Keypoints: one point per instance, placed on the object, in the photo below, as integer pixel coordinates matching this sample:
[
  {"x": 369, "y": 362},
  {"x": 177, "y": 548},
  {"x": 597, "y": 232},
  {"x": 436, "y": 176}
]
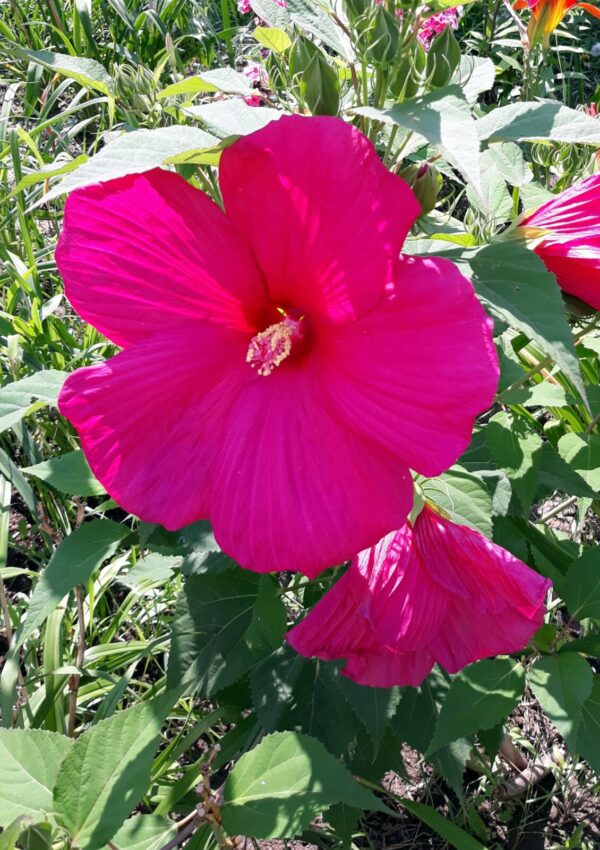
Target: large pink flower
[
  {"x": 283, "y": 366},
  {"x": 570, "y": 245},
  {"x": 433, "y": 592}
]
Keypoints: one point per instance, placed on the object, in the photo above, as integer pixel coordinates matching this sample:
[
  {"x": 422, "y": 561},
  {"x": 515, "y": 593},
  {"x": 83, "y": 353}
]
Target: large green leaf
[
  {"x": 138, "y": 151},
  {"x": 272, "y": 13},
  {"x": 107, "y": 771},
  {"x": 510, "y": 279},
  {"x": 582, "y": 453},
  {"x": 588, "y": 739},
  {"x": 556, "y": 474},
  {"x": 29, "y": 763},
  {"x": 464, "y": 497},
  {"x": 220, "y": 79},
  {"x": 580, "y": 589},
  {"x": 233, "y": 117},
  {"x": 143, "y": 832},
  {"x": 87, "y": 72},
  {"x": 374, "y": 707},
  {"x": 314, "y": 18},
  {"x": 29, "y": 394},
  {"x": 561, "y": 684},
  {"x": 519, "y": 122},
  {"x": 70, "y": 473},
  {"x": 443, "y": 117},
  {"x": 276, "y": 789},
  {"x": 210, "y": 648},
  {"x": 518, "y": 451},
  {"x": 480, "y": 696},
  {"x": 73, "y": 563}
]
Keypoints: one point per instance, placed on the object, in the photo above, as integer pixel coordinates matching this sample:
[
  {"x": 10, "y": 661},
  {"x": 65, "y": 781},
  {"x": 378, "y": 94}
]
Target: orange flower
[{"x": 547, "y": 15}]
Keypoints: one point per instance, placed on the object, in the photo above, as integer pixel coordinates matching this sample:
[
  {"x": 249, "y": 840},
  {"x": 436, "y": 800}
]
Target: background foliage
[{"x": 148, "y": 699}]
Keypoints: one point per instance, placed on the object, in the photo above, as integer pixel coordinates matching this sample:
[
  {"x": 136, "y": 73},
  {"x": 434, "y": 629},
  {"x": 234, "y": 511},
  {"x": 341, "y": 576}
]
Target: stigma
[{"x": 269, "y": 348}]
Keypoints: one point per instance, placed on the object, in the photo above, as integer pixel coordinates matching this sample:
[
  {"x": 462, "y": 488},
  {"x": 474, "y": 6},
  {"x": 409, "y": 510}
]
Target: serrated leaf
[
  {"x": 152, "y": 570},
  {"x": 479, "y": 697},
  {"x": 77, "y": 557},
  {"x": 273, "y": 38},
  {"x": 69, "y": 473},
  {"x": 30, "y": 760},
  {"x": 518, "y": 451},
  {"x": 269, "y": 619},
  {"x": 509, "y": 279},
  {"x": 464, "y": 497},
  {"x": 556, "y": 474},
  {"x": 20, "y": 398},
  {"x": 272, "y": 683},
  {"x": 315, "y": 19},
  {"x": 520, "y": 122},
  {"x": 443, "y": 117},
  {"x": 136, "y": 152},
  {"x": 588, "y": 738},
  {"x": 272, "y": 13},
  {"x": 582, "y": 453},
  {"x": 589, "y": 645},
  {"x": 144, "y": 832},
  {"x": 562, "y": 683},
  {"x": 510, "y": 162},
  {"x": 580, "y": 589},
  {"x": 276, "y": 789},
  {"x": 374, "y": 707},
  {"x": 209, "y": 650},
  {"x": 107, "y": 771},
  {"x": 474, "y": 75}
]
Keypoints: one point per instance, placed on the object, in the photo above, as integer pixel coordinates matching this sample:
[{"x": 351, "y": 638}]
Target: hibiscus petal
[
  {"x": 414, "y": 373},
  {"x": 150, "y": 419},
  {"x": 576, "y": 265},
  {"x": 295, "y": 490},
  {"x": 574, "y": 212},
  {"x": 326, "y": 220},
  {"x": 148, "y": 250}
]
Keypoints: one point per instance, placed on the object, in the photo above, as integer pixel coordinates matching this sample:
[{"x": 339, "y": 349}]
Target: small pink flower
[
  {"x": 284, "y": 366},
  {"x": 254, "y": 100},
  {"x": 435, "y": 24},
  {"x": 244, "y": 7},
  {"x": 255, "y": 73},
  {"x": 436, "y": 592},
  {"x": 568, "y": 227}
]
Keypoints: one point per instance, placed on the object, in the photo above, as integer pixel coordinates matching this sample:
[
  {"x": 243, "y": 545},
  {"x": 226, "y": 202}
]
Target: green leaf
[
  {"x": 144, "y": 832},
  {"x": 273, "y": 38},
  {"x": 374, "y": 707},
  {"x": 556, "y": 474},
  {"x": 510, "y": 162},
  {"x": 272, "y": 13},
  {"x": 580, "y": 589},
  {"x": 29, "y": 394},
  {"x": 269, "y": 619},
  {"x": 77, "y": 557},
  {"x": 29, "y": 763},
  {"x": 70, "y": 473},
  {"x": 135, "y": 152},
  {"x": 520, "y": 122},
  {"x": 10, "y": 835},
  {"x": 474, "y": 75},
  {"x": 11, "y": 472},
  {"x": 543, "y": 394},
  {"x": 152, "y": 570},
  {"x": 87, "y": 72},
  {"x": 272, "y": 683},
  {"x": 582, "y": 453},
  {"x": 314, "y": 18},
  {"x": 220, "y": 79},
  {"x": 517, "y": 450},
  {"x": 456, "y": 836},
  {"x": 496, "y": 201},
  {"x": 443, "y": 117},
  {"x": 107, "y": 772},
  {"x": 232, "y": 117},
  {"x": 589, "y": 645},
  {"x": 561, "y": 684},
  {"x": 276, "y": 789},
  {"x": 588, "y": 739},
  {"x": 509, "y": 279},
  {"x": 209, "y": 648},
  {"x": 480, "y": 696},
  {"x": 464, "y": 497}
]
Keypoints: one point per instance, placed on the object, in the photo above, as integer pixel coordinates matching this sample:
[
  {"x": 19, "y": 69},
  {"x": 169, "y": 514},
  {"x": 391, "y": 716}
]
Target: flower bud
[
  {"x": 355, "y": 8},
  {"x": 301, "y": 53},
  {"x": 443, "y": 59},
  {"x": 384, "y": 38},
  {"x": 405, "y": 80},
  {"x": 425, "y": 181},
  {"x": 320, "y": 86}
]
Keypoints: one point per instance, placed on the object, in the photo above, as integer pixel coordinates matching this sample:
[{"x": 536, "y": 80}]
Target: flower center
[{"x": 271, "y": 347}]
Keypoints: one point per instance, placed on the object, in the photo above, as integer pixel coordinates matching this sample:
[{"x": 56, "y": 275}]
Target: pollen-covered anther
[{"x": 269, "y": 348}]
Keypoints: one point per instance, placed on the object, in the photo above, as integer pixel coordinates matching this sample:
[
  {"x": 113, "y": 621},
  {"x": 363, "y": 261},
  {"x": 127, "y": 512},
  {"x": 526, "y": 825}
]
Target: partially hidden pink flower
[
  {"x": 566, "y": 230},
  {"x": 437, "y": 23},
  {"x": 244, "y": 7},
  {"x": 437, "y": 591},
  {"x": 284, "y": 366}
]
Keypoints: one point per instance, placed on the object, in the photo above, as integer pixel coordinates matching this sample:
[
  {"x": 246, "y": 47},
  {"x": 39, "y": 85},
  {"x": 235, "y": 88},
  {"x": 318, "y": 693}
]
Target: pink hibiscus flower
[
  {"x": 433, "y": 592},
  {"x": 567, "y": 230},
  {"x": 283, "y": 366}
]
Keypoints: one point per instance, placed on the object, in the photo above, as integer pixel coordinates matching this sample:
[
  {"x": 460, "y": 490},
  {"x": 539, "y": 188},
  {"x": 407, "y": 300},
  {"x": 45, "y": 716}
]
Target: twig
[
  {"x": 558, "y": 509},
  {"x": 512, "y": 755},
  {"x": 519, "y": 785},
  {"x": 182, "y": 835},
  {"x": 76, "y": 677}
]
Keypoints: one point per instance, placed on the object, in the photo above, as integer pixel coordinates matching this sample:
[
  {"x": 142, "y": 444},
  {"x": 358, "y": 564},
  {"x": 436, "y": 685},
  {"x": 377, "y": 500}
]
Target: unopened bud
[
  {"x": 320, "y": 86},
  {"x": 442, "y": 59},
  {"x": 406, "y": 76},
  {"x": 425, "y": 181},
  {"x": 384, "y": 38}
]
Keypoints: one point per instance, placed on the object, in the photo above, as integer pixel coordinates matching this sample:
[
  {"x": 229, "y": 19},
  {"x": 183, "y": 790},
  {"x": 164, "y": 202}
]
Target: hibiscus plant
[{"x": 299, "y": 458}]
